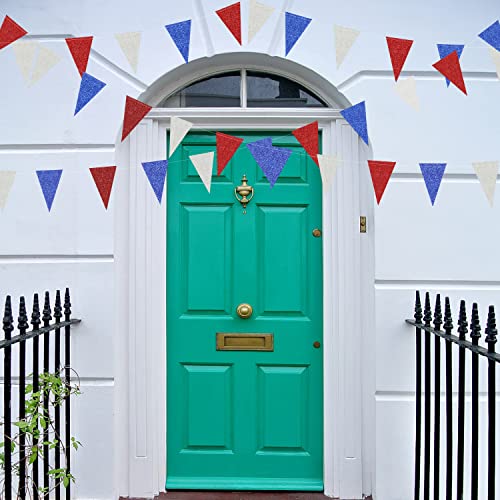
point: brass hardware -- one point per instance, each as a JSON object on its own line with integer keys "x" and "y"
{"x": 244, "y": 311}
{"x": 245, "y": 341}
{"x": 316, "y": 233}
{"x": 362, "y": 224}
{"x": 316, "y": 345}
{"x": 243, "y": 190}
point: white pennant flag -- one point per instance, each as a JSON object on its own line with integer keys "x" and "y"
{"x": 203, "y": 163}
{"x": 45, "y": 61}
{"x": 487, "y": 172}
{"x": 25, "y": 51}
{"x": 178, "y": 130}
{"x": 495, "y": 55}
{"x": 328, "y": 169}
{"x": 407, "y": 90}
{"x": 130, "y": 43}
{"x": 344, "y": 40}
{"x": 257, "y": 17}
{"x": 6, "y": 181}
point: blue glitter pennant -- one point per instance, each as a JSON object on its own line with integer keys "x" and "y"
{"x": 491, "y": 35}
{"x": 295, "y": 25}
{"x": 156, "y": 171}
{"x": 89, "y": 88}
{"x": 432, "y": 174}
{"x": 445, "y": 49}
{"x": 49, "y": 181}
{"x": 356, "y": 117}
{"x": 181, "y": 35}
{"x": 270, "y": 159}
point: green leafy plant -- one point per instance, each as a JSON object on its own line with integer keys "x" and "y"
{"x": 37, "y": 429}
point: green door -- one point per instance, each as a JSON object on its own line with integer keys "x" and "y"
{"x": 248, "y": 419}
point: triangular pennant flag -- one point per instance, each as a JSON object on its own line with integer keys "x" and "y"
{"x": 6, "y": 180}
{"x": 156, "y": 171}
{"x": 490, "y": 35}
{"x": 433, "y": 175}
{"x": 80, "y": 51}
{"x": 446, "y": 49}
{"x": 270, "y": 159}
{"x": 398, "y": 51}
{"x": 226, "y": 147}
{"x": 308, "y": 138}
{"x": 257, "y": 16}
{"x": 344, "y": 40}
{"x": 103, "y": 178}
{"x": 10, "y": 31}
{"x": 134, "y": 112}
{"x": 495, "y": 55}
{"x": 231, "y": 17}
{"x": 449, "y": 66}
{"x": 25, "y": 52}
{"x": 295, "y": 25}
{"x": 130, "y": 43}
{"x": 380, "y": 172}
{"x": 178, "y": 130}
{"x": 49, "y": 181}
{"x": 181, "y": 35}
{"x": 356, "y": 117}
{"x": 328, "y": 169}
{"x": 203, "y": 163}
{"x": 407, "y": 90}
{"x": 45, "y": 61}
{"x": 487, "y": 173}
{"x": 89, "y": 88}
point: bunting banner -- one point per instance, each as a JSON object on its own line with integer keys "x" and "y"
{"x": 231, "y": 17}
{"x": 449, "y": 67}
{"x": 10, "y": 31}
{"x": 203, "y": 163}
{"x": 46, "y": 60}
{"x": 407, "y": 90}
{"x": 258, "y": 15}
{"x": 446, "y": 49}
{"x": 178, "y": 130}
{"x": 80, "y": 51}
{"x": 226, "y": 147}
{"x": 103, "y": 178}
{"x": 49, "y": 182}
{"x": 6, "y": 181}
{"x": 308, "y": 139}
{"x": 269, "y": 158}
{"x": 495, "y": 56}
{"x": 380, "y": 172}
{"x": 24, "y": 52}
{"x": 487, "y": 173}
{"x": 134, "y": 112}
{"x": 356, "y": 117}
{"x": 491, "y": 35}
{"x": 295, "y": 26}
{"x": 328, "y": 168}
{"x": 89, "y": 88}
{"x": 398, "y": 52}
{"x": 181, "y": 36}
{"x": 433, "y": 175}
{"x": 344, "y": 40}
{"x": 156, "y": 172}
{"x": 130, "y": 44}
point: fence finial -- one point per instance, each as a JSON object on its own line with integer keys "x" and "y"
{"x": 35, "y": 315}
{"x": 46, "y": 309}
{"x": 475, "y": 326}
{"x": 23, "y": 316}
{"x": 57, "y": 307}
{"x": 8, "y": 320}
{"x": 418, "y": 308}
{"x": 462, "y": 321}
{"x": 448, "y": 320}
{"x": 67, "y": 303}
{"x": 427, "y": 310}
{"x": 491, "y": 329}
{"x": 438, "y": 318}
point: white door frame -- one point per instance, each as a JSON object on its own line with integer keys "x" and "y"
{"x": 141, "y": 301}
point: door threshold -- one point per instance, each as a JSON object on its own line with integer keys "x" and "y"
{"x": 241, "y": 495}
{"x": 244, "y": 483}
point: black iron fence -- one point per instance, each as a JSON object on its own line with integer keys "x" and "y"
{"x": 22, "y": 474}
{"x": 440, "y": 328}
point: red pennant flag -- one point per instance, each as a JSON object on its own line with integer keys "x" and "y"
{"x": 103, "y": 178}
{"x": 398, "y": 50}
{"x": 308, "y": 138}
{"x": 226, "y": 147}
{"x": 10, "y": 31}
{"x": 134, "y": 112}
{"x": 381, "y": 172}
{"x": 449, "y": 66}
{"x": 231, "y": 17}
{"x": 80, "y": 50}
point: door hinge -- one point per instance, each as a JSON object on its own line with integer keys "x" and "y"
{"x": 362, "y": 224}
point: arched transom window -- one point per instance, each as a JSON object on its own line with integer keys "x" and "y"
{"x": 243, "y": 88}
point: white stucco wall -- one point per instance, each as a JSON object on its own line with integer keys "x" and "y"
{"x": 73, "y": 246}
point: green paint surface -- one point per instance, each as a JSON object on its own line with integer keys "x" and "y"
{"x": 244, "y": 420}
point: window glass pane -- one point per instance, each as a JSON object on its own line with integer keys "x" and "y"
{"x": 266, "y": 91}
{"x": 218, "y": 91}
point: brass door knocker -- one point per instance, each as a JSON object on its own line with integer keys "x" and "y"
{"x": 242, "y": 191}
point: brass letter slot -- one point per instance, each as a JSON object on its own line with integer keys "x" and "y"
{"x": 245, "y": 341}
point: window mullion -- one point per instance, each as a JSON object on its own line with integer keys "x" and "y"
{"x": 243, "y": 88}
